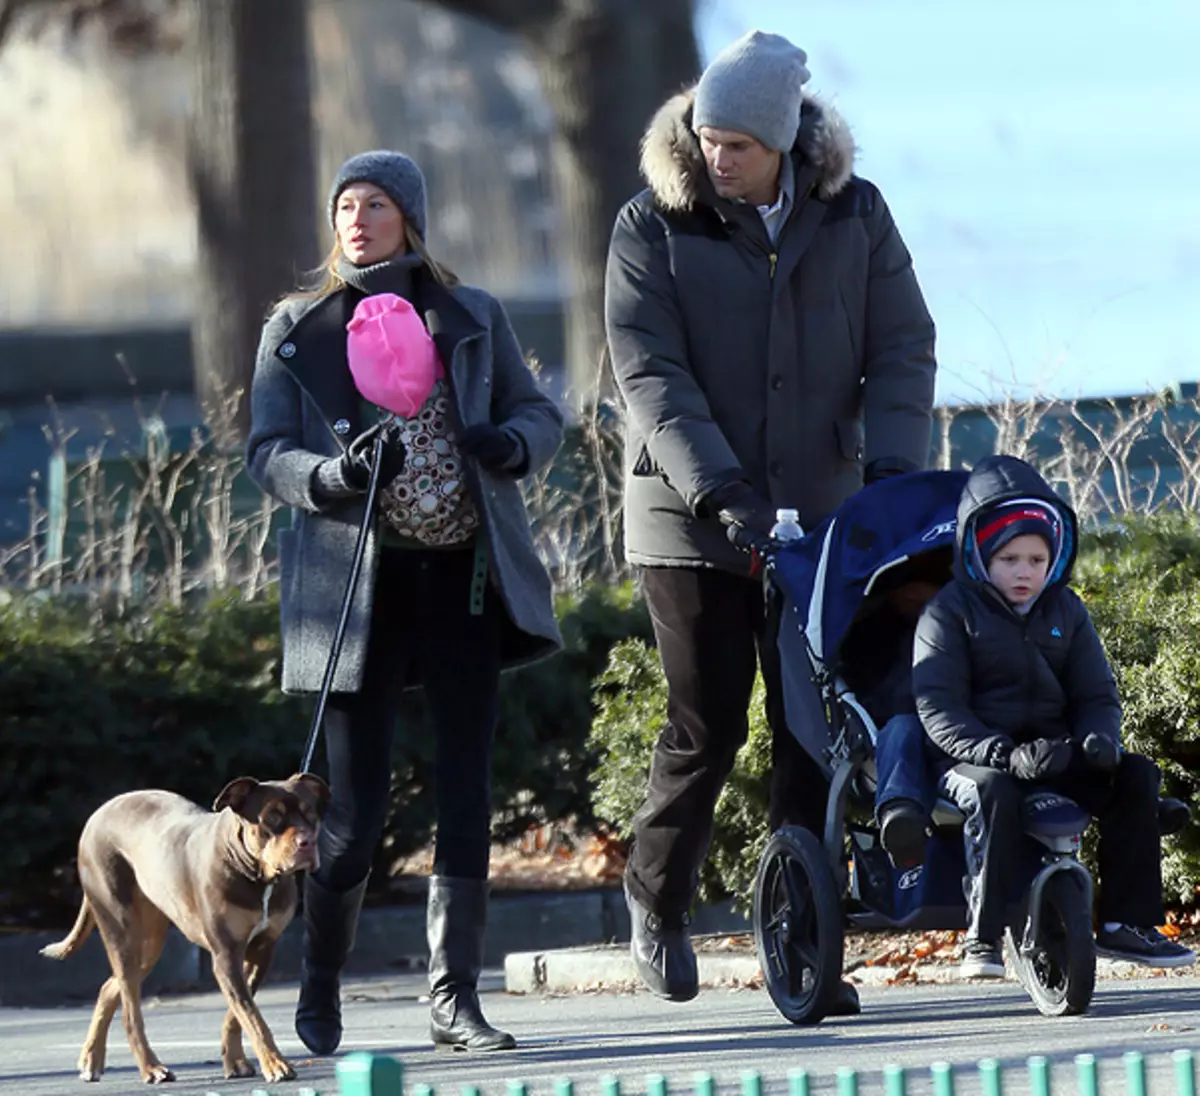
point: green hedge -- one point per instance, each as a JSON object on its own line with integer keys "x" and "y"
{"x": 92, "y": 705}
{"x": 1141, "y": 581}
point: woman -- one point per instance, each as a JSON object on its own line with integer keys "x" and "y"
{"x": 451, "y": 589}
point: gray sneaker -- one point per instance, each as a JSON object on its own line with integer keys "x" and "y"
{"x": 662, "y": 952}
{"x": 982, "y": 959}
{"x": 1146, "y": 946}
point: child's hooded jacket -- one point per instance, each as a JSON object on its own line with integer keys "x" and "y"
{"x": 986, "y": 677}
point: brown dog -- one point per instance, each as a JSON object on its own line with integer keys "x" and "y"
{"x": 226, "y": 880}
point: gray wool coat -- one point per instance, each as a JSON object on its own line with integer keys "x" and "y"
{"x": 305, "y": 408}
{"x": 791, "y": 365}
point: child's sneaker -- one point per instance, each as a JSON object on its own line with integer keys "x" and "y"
{"x": 1146, "y": 946}
{"x": 902, "y": 833}
{"x": 982, "y": 959}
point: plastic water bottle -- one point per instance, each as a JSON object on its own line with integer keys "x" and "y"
{"x": 787, "y": 525}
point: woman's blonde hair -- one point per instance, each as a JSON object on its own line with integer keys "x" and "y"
{"x": 328, "y": 280}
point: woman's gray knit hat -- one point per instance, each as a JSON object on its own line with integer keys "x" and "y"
{"x": 394, "y": 173}
{"x": 754, "y": 86}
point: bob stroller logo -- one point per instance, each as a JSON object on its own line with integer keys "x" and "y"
{"x": 910, "y": 878}
{"x": 943, "y": 529}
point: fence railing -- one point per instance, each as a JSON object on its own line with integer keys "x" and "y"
{"x": 364, "y": 1074}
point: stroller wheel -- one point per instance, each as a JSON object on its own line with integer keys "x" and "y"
{"x": 1059, "y": 971}
{"x": 798, "y": 925}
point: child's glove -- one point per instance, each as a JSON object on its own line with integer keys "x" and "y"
{"x": 1101, "y": 752}
{"x": 1040, "y": 759}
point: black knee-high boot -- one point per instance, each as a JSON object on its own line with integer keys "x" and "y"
{"x": 456, "y": 918}
{"x": 330, "y": 918}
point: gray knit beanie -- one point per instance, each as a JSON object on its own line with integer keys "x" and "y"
{"x": 394, "y": 173}
{"x": 754, "y": 86}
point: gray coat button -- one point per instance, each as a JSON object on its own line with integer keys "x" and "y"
{"x": 287, "y": 350}
{"x": 342, "y": 426}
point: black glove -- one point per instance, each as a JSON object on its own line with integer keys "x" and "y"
{"x": 1101, "y": 752}
{"x": 494, "y": 448}
{"x": 356, "y": 461}
{"x": 1040, "y": 759}
{"x": 739, "y": 504}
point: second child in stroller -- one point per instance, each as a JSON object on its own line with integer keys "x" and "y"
{"x": 876, "y": 663}
{"x": 1013, "y": 687}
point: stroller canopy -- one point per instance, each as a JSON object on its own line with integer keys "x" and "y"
{"x": 826, "y": 575}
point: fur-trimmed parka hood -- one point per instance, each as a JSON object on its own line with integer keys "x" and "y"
{"x": 674, "y": 168}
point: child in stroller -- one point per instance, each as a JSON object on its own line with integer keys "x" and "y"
{"x": 1013, "y": 687}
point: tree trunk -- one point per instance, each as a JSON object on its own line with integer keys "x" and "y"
{"x": 251, "y": 162}
{"x": 606, "y": 67}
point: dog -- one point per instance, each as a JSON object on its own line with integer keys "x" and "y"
{"x": 225, "y": 879}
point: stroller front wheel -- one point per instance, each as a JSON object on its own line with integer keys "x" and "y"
{"x": 798, "y": 930}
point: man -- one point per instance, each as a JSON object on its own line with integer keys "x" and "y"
{"x": 772, "y": 346}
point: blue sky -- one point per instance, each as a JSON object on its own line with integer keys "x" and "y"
{"x": 1042, "y": 160}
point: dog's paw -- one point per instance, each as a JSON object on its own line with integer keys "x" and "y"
{"x": 278, "y": 1070}
{"x": 90, "y": 1073}
{"x": 157, "y": 1075}
{"x": 238, "y": 1068}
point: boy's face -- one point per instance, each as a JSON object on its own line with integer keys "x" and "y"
{"x": 1018, "y": 570}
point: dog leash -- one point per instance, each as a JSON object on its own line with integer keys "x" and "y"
{"x": 339, "y": 634}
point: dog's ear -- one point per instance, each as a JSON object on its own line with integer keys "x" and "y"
{"x": 235, "y": 794}
{"x": 312, "y": 786}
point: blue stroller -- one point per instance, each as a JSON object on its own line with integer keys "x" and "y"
{"x": 807, "y": 890}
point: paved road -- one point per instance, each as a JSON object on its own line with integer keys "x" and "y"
{"x": 722, "y": 1032}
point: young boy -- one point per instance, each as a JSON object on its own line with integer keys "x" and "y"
{"x": 1013, "y": 686}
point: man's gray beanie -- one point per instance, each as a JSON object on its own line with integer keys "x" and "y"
{"x": 394, "y": 173}
{"x": 754, "y": 86}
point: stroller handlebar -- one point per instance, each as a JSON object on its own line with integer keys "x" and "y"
{"x": 747, "y": 540}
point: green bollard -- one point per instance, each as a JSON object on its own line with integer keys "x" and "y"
{"x": 610, "y": 1085}
{"x": 1135, "y": 1073}
{"x": 1185, "y": 1073}
{"x": 991, "y": 1078}
{"x": 1039, "y": 1076}
{"x": 752, "y": 1083}
{"x": 894, "y": 1083}
{"x": 798, "y": 1082}
{"x": 1087, "y": 1080}
{"x": 656, "y": 1085}
{"x": 470, "y": 1090}
{"x": 704, "y": 1085}
{"x": 423, "y": 1090}
{"x": 847, "y": 1081}
{"x": 363, "y": 1074}
{"x": 564, "y": 1086}
{"x": 517, "y": 1088}
{"x": 943, "y": 1078}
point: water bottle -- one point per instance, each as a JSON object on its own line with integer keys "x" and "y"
{"x": 787, "y": 525}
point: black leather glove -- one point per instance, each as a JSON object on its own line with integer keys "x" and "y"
{"x": 739, "y": 504}
{"x": 1040, "y": 759}
{"x": 1101, "y": 752}
{"x": 350, "y": 474}
{"x": 493, "y": 447}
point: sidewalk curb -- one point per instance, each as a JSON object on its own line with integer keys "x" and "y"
{"x": 579, "y": 970}
{"x": 389, "y": 939}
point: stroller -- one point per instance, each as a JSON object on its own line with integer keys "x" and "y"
{"x": 807, "y": 890}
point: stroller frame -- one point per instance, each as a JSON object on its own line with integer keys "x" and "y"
{"x": 1050, "y": 937}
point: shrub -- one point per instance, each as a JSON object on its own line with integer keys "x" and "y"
{"x": 93, "y": 704}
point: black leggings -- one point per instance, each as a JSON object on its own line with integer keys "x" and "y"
{"x": 421, "y": 621}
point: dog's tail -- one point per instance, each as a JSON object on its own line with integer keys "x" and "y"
{"x": 73, "y": 941}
